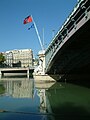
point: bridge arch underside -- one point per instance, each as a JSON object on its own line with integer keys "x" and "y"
{"x": 74, "y": 56}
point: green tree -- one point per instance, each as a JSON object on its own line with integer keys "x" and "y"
{"x": 2, "y": 89}
{"x": 2, "y": 58}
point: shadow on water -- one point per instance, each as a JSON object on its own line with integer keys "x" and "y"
{"x": 79, "y": 79}
{"x": 72, "y": 112}
{"x": 69, "y": 101}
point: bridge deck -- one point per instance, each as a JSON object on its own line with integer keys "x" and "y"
{"x": 16, "y": 69}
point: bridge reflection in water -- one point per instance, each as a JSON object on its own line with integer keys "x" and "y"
{"x": 29, "y": 100}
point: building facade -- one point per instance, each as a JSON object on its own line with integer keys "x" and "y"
{"x": 19, "y": 58}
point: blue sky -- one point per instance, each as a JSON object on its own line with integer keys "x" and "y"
{"x": 47, "y": 14}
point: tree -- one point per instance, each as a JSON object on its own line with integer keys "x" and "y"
{"x": 2, "y": 89}
{"x": 2, "y": 58}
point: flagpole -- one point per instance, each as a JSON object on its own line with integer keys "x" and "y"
{"x": 43, "y": 38}
{"x": 37, "y": 33}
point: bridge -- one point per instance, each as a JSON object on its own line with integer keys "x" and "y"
{"x": 15, "y": 71}
{"x": 69, "y": 51}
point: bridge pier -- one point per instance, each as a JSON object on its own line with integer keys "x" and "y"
{"x": 46, "y": 77}
{"x": 0, "y": 74}
{"x": 28, "y": 73}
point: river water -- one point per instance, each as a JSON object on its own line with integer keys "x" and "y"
{"x": 25, "y": 99}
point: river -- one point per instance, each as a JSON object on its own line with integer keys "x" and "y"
{"x": 25, "y": 99}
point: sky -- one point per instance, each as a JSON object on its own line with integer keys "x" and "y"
{"x": 49, "y": 15}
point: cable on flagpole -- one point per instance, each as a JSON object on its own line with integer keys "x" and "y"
{"x": 37, "y": 33}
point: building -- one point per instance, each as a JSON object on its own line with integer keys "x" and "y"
{"x": 9, "y": 58}
{"x": 19, "y": 58}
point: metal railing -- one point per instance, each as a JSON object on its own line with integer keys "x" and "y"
{"x": 80, "y": 11}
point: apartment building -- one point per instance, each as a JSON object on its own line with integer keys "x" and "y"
{"x": 19, "y": 58}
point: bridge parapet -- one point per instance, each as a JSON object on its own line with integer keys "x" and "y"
{"x": 79, "y": 16}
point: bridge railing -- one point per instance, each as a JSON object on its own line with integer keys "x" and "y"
{"x": 80, "y": 11}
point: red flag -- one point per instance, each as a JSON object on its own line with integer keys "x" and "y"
{"x": 27, "y": 20}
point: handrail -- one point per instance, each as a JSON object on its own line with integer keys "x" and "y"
{"x": 68, "y": 29}
{"x": 68, "y": 19}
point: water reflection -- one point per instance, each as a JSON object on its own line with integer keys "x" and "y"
{"x": 69, "y": 101}
{"x": 19, "y": 88}
{"x": 25, "y": 99}
{"x": 44, "y": 101}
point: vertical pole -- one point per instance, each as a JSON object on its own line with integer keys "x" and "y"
{"x": 43, "y": 38}
{"x": 37, "y": 33}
